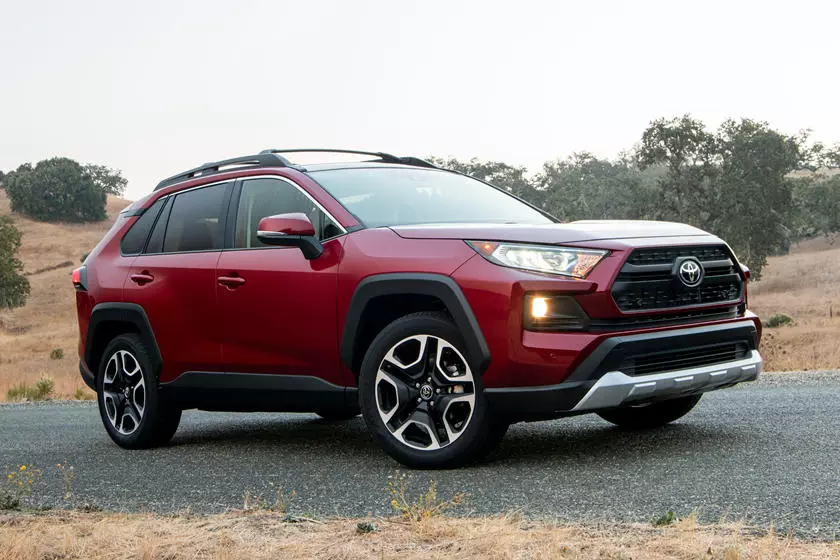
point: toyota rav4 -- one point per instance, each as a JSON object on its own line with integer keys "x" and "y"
{"x": 439, "y": 307}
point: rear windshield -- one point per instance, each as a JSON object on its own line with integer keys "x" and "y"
{"x": 392, "y": 196}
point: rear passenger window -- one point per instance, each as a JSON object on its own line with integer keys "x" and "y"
{"x": 135, "y": 240}
{"x": 195, "y": 221}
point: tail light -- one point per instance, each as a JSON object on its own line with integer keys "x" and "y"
{"x": 79, "y": 277}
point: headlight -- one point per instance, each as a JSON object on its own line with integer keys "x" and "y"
{"x": 567, "y": 261}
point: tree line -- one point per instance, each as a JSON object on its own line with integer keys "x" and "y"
{"x": 755, "y": 187}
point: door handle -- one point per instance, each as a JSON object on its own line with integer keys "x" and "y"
{"x": 231, "y": 281}
{"x": 142, "y": 278}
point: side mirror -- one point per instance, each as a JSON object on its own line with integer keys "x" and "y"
{"x": 290, "y": 230}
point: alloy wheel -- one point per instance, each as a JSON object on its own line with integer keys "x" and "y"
{"x": 425, "y": 392}
{"x": 124, "y": 392}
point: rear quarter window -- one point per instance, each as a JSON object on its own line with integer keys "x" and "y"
{"x": 134, "y": 241}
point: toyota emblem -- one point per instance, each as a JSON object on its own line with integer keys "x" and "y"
{"x": 691, "y": 273}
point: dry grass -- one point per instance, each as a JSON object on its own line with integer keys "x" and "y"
{"x": 806, "y": 286}
{"x": 260, "y": 535}
{"x": 48, "y": 321}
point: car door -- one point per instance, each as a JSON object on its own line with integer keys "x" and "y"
{"x": 174, "y": 279}
{"x": 279, "y": 313}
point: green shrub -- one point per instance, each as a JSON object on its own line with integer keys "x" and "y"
{"x": 41, "y": 391}
{"x": 669, "y": 518}
{"x": 778, "y": 320}
{"x": 57, "y": 189}
{"x": 44, "y": 388}
{"x": 14, "y": 287}
{"x": 57, "y": 354}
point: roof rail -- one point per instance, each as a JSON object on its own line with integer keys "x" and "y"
{"x": 383, "y": 156}
{"x": 272, "y": 158}
{"x": 259, "y": 160}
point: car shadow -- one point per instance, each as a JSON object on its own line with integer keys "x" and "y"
{"x": 268, "y": 430}
{"x": 594, "y": 443}
{"x": 558, "y": 442}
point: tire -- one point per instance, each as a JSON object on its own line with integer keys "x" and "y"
{"x": 652, "y": 415}
{"x": 424, "y": 414}
{"x": 337, "y": 415}
{"x": 127, "y": 391}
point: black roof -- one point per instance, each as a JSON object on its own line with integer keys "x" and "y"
{"x": 275, "y": 158}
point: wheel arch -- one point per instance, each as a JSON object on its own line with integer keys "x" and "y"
{"x": 382, "y": 298}
{"x": 109, "y": 320}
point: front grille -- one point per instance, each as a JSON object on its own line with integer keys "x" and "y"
{"x": 649, "y": 279}
{"x": 672, "y": 360}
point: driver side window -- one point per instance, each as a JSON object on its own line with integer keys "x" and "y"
{"x": 259, "y": 198}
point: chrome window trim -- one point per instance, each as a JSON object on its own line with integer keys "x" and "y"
{"x": 243, "y": 179}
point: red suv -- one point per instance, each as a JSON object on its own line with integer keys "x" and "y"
{"x": 440, "y": 307}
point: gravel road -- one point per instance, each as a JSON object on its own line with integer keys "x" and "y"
{"x": 767, "y": 452}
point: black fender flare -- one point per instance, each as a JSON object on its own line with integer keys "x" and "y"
{"x": 120, "y": 312}
{"x": 440, "y": 286}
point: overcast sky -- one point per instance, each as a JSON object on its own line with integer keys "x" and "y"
{"x": 153, "y": 88}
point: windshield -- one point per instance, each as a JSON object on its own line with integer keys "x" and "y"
{"x": 390, "y": 196}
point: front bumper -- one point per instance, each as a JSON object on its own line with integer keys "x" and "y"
{"x": 608, "y": 377}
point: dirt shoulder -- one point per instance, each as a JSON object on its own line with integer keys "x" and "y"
{"x": 256, "y": 535}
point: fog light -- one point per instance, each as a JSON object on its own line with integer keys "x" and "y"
{"x": 539, "y": 307}
{"x": 543, "y": 312}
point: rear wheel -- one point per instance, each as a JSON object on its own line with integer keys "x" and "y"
{"x": 130, "y": 404}
{"x": 651, "y": 415}
{"x": 420, "y": 397}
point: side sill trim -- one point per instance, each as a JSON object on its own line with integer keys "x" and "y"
{"x": 254, "y": 392}
{"x": 87, "y": 376}
{"x": 249, "y": 381}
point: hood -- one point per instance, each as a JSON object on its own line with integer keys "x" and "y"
{"x": 561, "y": 234}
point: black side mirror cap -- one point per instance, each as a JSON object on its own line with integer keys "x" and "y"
{"x": 308, "y": 244}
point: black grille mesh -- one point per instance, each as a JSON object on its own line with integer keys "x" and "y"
{"x": 665, "y": 255}
{"x": 647, "y": 281}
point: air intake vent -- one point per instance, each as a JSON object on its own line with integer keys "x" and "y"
{"x": 672, "y": 360}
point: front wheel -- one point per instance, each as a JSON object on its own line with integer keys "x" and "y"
{"x": 130, "y": 404}
{"x": 651, "y": 415}
{"x": 420, "y": 397}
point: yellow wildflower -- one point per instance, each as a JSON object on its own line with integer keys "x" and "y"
{"x": 23, "y": 467}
